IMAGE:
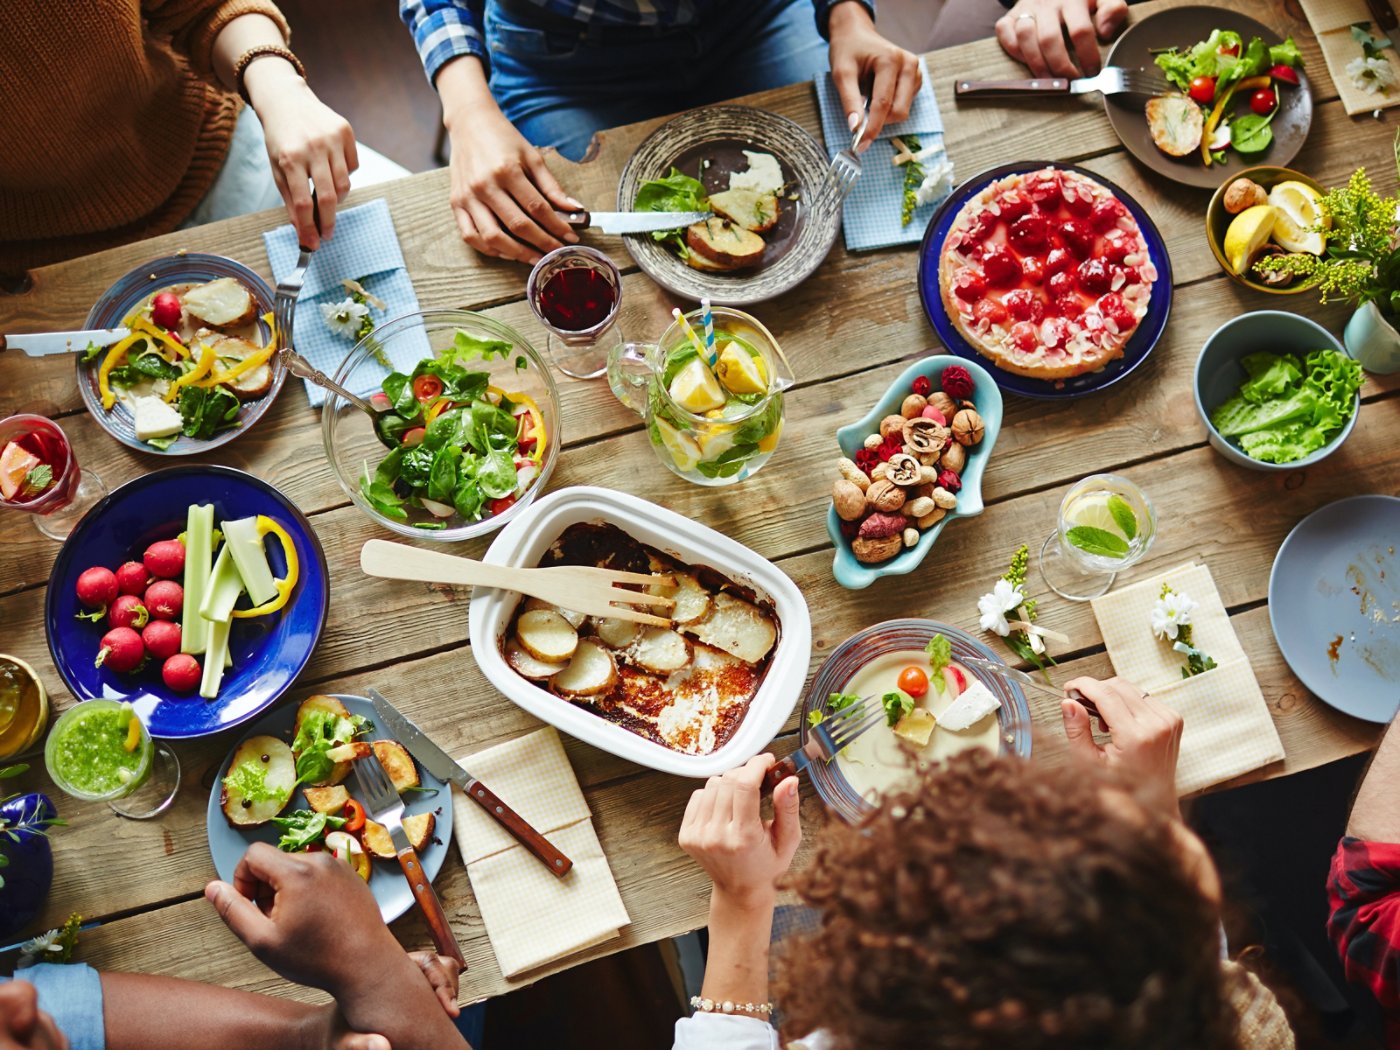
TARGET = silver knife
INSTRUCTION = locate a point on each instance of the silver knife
(42, 344)
(633, 221)
(1025, 681)
(443, 766)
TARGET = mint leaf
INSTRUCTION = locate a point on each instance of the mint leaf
(1097, 541)
(37, 480)
(1123, 515)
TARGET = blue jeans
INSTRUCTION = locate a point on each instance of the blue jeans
(559, 88)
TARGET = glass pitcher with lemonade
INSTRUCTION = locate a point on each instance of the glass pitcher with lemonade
(714, 411)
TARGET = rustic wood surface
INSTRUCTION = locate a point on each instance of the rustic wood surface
(848, 330)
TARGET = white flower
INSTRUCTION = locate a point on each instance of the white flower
(32, 951)
(994, 606)
(1171, 613)
(1375, 76)
(938, 180)
(345, 317)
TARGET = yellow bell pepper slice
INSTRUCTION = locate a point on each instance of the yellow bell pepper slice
(160, 335)
(537, 421)
(265, 526)
(133, 734)
(206, 362)
(434, 410)
(249, 363)
(1247, 84)
(115, 356)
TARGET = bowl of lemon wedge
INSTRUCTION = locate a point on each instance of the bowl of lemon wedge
(1265, 214)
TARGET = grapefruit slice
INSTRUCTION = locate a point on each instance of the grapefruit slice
(15, 462)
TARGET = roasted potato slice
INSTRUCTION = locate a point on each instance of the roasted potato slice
(723, 243)
(260, 765)
(327, 799)
(661, 650)
(590, 672)
(418, 828)
(738, 627)
(752, 209)
(546, 635)
(574, 618)
(398, 763)
(221, 303)
(617, 633)
(319, 702)
(1176, 124)
(527, 666)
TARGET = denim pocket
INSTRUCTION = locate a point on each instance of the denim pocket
(505, 37)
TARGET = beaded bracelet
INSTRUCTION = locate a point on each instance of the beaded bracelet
(240, 68)
(728, 1006)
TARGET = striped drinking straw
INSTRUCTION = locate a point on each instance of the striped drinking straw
(690, 333)
(709, 321)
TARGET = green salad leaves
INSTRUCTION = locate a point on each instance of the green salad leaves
(319, 733)
(1225, 56)
(303, 827)
(1286, 408)
(674, 192)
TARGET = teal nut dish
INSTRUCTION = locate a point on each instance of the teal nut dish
(849, 572)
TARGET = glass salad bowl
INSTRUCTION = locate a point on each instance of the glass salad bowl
(466, 430)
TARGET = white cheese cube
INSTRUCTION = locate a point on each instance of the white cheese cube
(975, 703)
(155, 419)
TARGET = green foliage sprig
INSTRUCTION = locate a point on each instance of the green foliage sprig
(30, 824)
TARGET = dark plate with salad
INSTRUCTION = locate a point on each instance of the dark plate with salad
(1234, 94)
(269, 782)
(199, 368)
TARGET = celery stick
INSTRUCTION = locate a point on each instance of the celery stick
(225, 585)
(199, 555)
(214, 658)
(243, 542)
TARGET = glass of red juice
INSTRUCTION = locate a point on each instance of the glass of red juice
(39, 474)
(576, 292)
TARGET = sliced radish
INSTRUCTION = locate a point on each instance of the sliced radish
(436, 509)
(956, 676)
(525, 476)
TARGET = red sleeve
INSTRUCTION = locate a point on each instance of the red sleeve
(1363, 893)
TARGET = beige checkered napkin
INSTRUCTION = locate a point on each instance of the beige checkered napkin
(1331, 20)
(531, 916)
(1228, 729)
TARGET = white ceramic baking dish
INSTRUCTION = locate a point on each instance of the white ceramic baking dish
(524, 542)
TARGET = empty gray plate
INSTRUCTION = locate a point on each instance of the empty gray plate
(1334, 604)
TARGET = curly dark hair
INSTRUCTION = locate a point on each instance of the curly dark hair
(998, 904)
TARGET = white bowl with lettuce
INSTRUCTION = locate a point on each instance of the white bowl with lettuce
(1276, 391)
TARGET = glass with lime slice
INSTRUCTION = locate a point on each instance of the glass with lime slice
(1106, 524)
(100, 751)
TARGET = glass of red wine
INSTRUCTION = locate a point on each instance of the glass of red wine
(39, 474)
(576, 292)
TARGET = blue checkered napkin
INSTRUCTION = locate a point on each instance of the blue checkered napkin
(365, 248)
(871, 216)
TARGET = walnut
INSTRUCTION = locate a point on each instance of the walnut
(880, 526)
(924, 436)
(1272, 278)
(913, 405)
(968, 427)
(848, 500)
(954, 458)
(1242, 194)
(873, 551)
(903, 469)
(943, 403)
(891, 425)
(884, 495)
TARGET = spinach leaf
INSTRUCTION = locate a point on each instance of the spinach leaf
(444, 430)
(468, 499)
(469, 348)
(398, 388)
(492, 428)
(442, 476)
(378, 490)
(207, 410)
(416, 465)
(304, 827)
(674, 192)
(496, 475)
(148, 365)
(1251, 133)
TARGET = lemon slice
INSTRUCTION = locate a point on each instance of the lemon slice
(695, 389)
(1247, 233)
(685, 453)
(769, 443)
(1299, 209)
(1106, 511)
(740, 371)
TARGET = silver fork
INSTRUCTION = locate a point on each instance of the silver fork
(383, 804)
(284, 303)
(842, 175)
(1113, 80)
(834, 732)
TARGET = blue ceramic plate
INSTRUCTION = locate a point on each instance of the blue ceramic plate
(1144, 340)
(268, 652)
(119, 300)
(1334, 604)
(227, 844)
(850, 573)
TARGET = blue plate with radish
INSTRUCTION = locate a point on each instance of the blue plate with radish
(197, 594)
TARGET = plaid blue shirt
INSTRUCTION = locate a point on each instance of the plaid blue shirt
(444, 29)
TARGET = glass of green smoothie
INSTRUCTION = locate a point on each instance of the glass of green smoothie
(100, 751)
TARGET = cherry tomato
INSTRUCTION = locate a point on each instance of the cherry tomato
(1287, 74)
(354, 814)
(414, 436)
(427, 388)
(1263, 101)
(914, 681)
(1203, 90)
(500, 506)
(1228, 49)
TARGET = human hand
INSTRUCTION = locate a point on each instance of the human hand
(23, 1026)
(442, 972)
(1145, 736)
(741, 852)
(307, 916)
(1034, 31)
(861, 57)
(308, 143)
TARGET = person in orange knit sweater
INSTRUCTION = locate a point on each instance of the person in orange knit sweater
(121, 119)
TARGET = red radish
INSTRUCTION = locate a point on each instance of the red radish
(132, 578)
(166, 309)
(127, 611)
(161, 638)
(380, 401)
(929, 412)
(414, 436)
(122, 650)
(97, 587)
(165, 559)
(181, 673)
(165, 599)
(1287, 74)
(956, 678)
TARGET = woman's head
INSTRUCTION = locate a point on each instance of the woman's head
(999, 904)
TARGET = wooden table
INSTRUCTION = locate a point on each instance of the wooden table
(848, 331)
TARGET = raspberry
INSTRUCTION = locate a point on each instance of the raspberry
(923, 386)
(956, 382)
(949, 480)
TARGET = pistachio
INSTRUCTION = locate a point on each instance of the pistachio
(920, 506)
(904, 469)
(874, 441)
(891, 425)
(848, 500)
(928, 521)
(945, 404)
(968, 427)
(884, 495)
(944, 499)
(924, 436)
(853, 473)
(954, 458)
(871, 551)
(911, 537)
(913, 405)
